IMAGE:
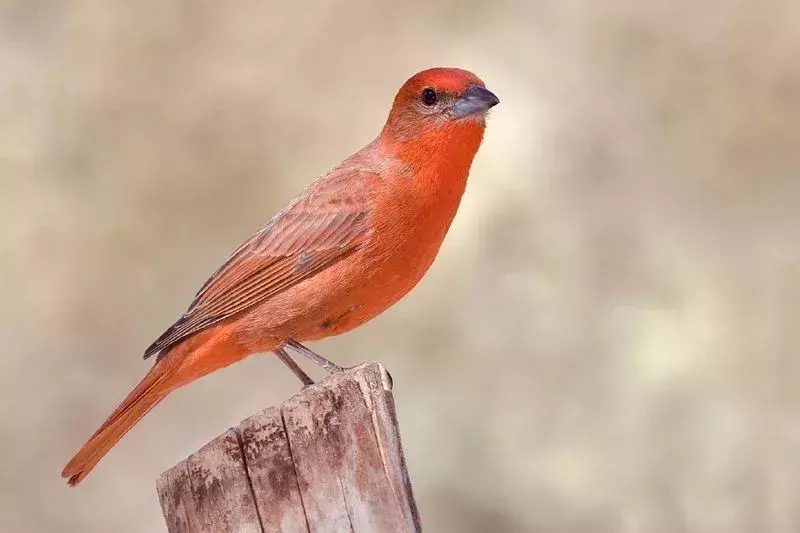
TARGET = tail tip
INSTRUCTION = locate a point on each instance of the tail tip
(74, 474)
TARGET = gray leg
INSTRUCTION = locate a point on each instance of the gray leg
(294, 367)
(318, 359)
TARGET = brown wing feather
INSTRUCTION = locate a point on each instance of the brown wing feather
(325, 225)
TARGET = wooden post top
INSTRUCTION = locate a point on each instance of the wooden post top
(329, 459)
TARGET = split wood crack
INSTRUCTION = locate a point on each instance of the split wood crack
(329, 459)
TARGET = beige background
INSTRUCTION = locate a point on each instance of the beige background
(608, 341)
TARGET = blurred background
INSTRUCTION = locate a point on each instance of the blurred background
(608, 341)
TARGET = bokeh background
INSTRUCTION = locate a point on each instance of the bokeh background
(608, 341)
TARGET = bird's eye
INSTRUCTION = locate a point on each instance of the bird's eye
(429, 96)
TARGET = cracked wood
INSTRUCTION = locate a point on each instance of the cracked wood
(328, 460)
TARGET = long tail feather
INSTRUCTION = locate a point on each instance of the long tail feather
(147, 394)
(195, 357)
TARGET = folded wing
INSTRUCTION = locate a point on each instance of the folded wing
(322, 227)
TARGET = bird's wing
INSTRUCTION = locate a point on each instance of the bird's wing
(327, 223)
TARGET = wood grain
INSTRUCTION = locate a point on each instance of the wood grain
(272, 475)
(214, 493)
(328, 460)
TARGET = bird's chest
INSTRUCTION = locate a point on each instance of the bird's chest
(407, 232)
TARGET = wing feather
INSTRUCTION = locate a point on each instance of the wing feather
(326, 224)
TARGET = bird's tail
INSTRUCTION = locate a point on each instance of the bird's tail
(139, 402)
(195, 357)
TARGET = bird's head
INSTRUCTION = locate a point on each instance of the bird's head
(440, 102)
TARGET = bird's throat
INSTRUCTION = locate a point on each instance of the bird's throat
(446, 150)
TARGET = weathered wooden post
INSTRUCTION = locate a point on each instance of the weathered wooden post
(328, 460)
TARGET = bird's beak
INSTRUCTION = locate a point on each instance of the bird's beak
(475, 101)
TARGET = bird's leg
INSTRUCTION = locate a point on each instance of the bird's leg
(294, 367)
(318, 359)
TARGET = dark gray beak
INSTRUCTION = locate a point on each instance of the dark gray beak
(476, 100)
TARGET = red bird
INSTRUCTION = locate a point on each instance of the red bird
(348, 247)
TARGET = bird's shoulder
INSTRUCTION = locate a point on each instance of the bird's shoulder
(351, 185)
